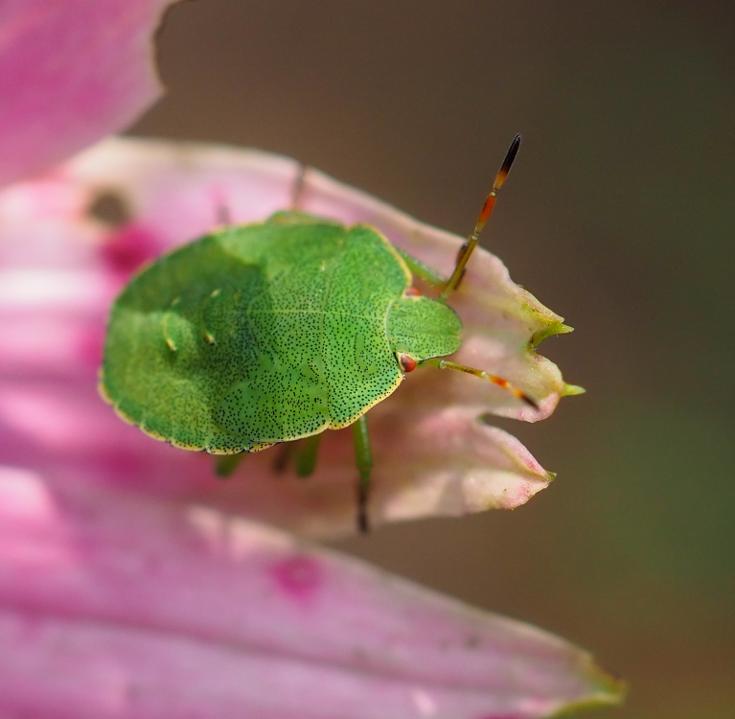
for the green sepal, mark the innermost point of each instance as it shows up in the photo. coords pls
(552, 329)
(571, 390)
(226, 464)
(611, 691)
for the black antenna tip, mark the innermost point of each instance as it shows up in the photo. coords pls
(507, 162)
(511, 154)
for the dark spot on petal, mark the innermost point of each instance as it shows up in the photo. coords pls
(298, 577)
(128, 247)
(472, 641)
(109, 207)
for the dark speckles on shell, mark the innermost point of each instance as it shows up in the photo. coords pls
(256, 335)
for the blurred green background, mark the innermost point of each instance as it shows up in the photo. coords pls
(616, 216)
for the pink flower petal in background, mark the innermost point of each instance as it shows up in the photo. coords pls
(71, 72)
(111, 607)
(114, 605)
(69, 240)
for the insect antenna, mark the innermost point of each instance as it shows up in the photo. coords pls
(468, 247)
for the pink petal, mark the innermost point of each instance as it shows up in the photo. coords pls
(443, 463)
(70, 73)
(114, 608)
(61, 265)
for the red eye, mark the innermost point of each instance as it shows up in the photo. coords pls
(408, 363)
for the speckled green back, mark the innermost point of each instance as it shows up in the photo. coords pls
(256, 335)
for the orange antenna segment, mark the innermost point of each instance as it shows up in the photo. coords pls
(487, 210)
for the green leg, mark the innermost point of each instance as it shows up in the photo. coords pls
(281, 456)
(226, 464)
(307, 454)
(426, 273)
(364, 461)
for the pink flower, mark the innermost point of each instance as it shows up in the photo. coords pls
(72, 238)
(122, 594)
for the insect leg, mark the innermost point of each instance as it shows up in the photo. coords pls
(307, 454)
(298, 187)
(364, 461)
(281, 456)
(226, 464)
(222, 214)
(481, 374)
(426, 273)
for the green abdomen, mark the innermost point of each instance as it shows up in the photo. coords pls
(257, 335)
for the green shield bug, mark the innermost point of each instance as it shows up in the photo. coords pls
(272, 332)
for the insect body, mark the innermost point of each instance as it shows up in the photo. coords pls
(277, 331)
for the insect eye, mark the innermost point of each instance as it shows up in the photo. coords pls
(408, 363)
